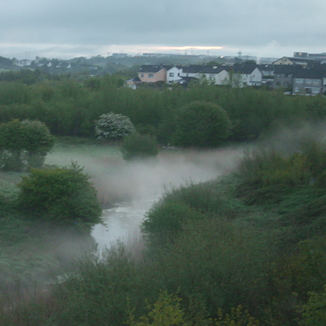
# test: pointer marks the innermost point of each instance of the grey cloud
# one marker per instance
(166, 22)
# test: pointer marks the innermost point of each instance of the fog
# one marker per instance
(128, 189)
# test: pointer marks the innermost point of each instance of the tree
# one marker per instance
(113, 126)
(136, 146)
(60, 195)
(24, 144)
(201, 124)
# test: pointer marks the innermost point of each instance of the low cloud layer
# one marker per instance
(97, 27)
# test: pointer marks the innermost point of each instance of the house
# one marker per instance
(283, 75)
(153, 73)
(191, 71)
(173, 75)
(133, 82)
(309, 82)
(246, 74)
(219, 75)
(267, 71)
(299, 61)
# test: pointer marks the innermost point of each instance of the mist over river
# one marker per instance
(129, 189)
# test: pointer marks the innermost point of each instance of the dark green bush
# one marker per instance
(24, 144)
(166, 219)
(63, 196)
(136, 146)
(201, 124)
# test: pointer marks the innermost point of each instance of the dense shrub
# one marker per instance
(63, 196)
(136, 146)
(113, 126)
(269, 166)
(314, 311)
(24, 144)
(166, 219)
(201, 124)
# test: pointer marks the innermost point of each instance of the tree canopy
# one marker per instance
(24, 144)
(201, 124)
(63, 196)
(113, 126)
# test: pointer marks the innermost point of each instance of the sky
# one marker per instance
(74, 28)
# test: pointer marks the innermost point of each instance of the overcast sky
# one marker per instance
(72, 28)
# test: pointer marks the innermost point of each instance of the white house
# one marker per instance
(191, 71)
(219, 75)
(246, 75)
(173, 75)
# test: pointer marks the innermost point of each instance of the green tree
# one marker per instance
(113, 126)
(60, 195)
(201, 124)
(166, 311)
(24, 144)
(314, 311)
(136, 146)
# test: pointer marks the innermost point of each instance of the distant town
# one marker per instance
(302, 74)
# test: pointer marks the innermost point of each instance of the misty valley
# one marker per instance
(198, 206)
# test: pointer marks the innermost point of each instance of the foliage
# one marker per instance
(237, 317)
(166, 311)
(63, 196)
(314, 311)
(166, 219)
(201, 124)
(216, 263)
(164, 222)
(24, 144)
(269, 166)
(113, 126)
(136, 146)
(97, 291)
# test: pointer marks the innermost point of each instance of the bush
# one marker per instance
(24, 144)
(63, 196)
(113, 126)
(201, 124)
(136, 146)
(314, 311)
(166, 219)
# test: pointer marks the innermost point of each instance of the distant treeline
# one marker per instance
(70, 107)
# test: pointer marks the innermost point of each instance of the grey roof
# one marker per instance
(134, 79)
(213, 69)
(286, 69)
(246, 68)
(310, 73)
(151, 68)
(192, 69)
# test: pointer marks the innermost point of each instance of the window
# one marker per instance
(142, 75)
(150, 75)
(299, 80)
(171, 74)
(316, 82)
(308, 81)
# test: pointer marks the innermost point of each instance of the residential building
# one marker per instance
(191, 71)
(267, 71)
(283, 75)
(153, 73)
(309, 82)
(173, 75)
(219, 75)
(246, 74)
(299, 61)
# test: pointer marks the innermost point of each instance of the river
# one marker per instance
(143, 183)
